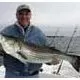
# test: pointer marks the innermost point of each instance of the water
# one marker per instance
(61, 43)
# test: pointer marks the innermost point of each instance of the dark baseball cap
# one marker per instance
(23, 7)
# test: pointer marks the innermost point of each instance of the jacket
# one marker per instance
(32, 35)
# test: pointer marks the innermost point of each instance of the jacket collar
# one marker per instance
(21, 28)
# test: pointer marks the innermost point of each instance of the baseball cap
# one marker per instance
(23, 7)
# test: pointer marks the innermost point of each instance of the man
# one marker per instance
(22, 29)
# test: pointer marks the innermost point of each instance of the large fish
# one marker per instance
(28, 52)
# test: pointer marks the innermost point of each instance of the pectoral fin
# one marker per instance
(22, 55)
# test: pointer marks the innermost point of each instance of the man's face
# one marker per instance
(23, 17)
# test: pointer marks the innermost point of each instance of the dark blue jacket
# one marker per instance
(32, 35)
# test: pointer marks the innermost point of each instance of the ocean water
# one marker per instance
(62, 42)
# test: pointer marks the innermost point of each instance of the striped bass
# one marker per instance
(28, 52)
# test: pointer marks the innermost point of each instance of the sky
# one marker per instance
(50, 14)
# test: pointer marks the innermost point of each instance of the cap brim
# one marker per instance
(26, 9)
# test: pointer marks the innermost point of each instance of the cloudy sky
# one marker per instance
(53, 14)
